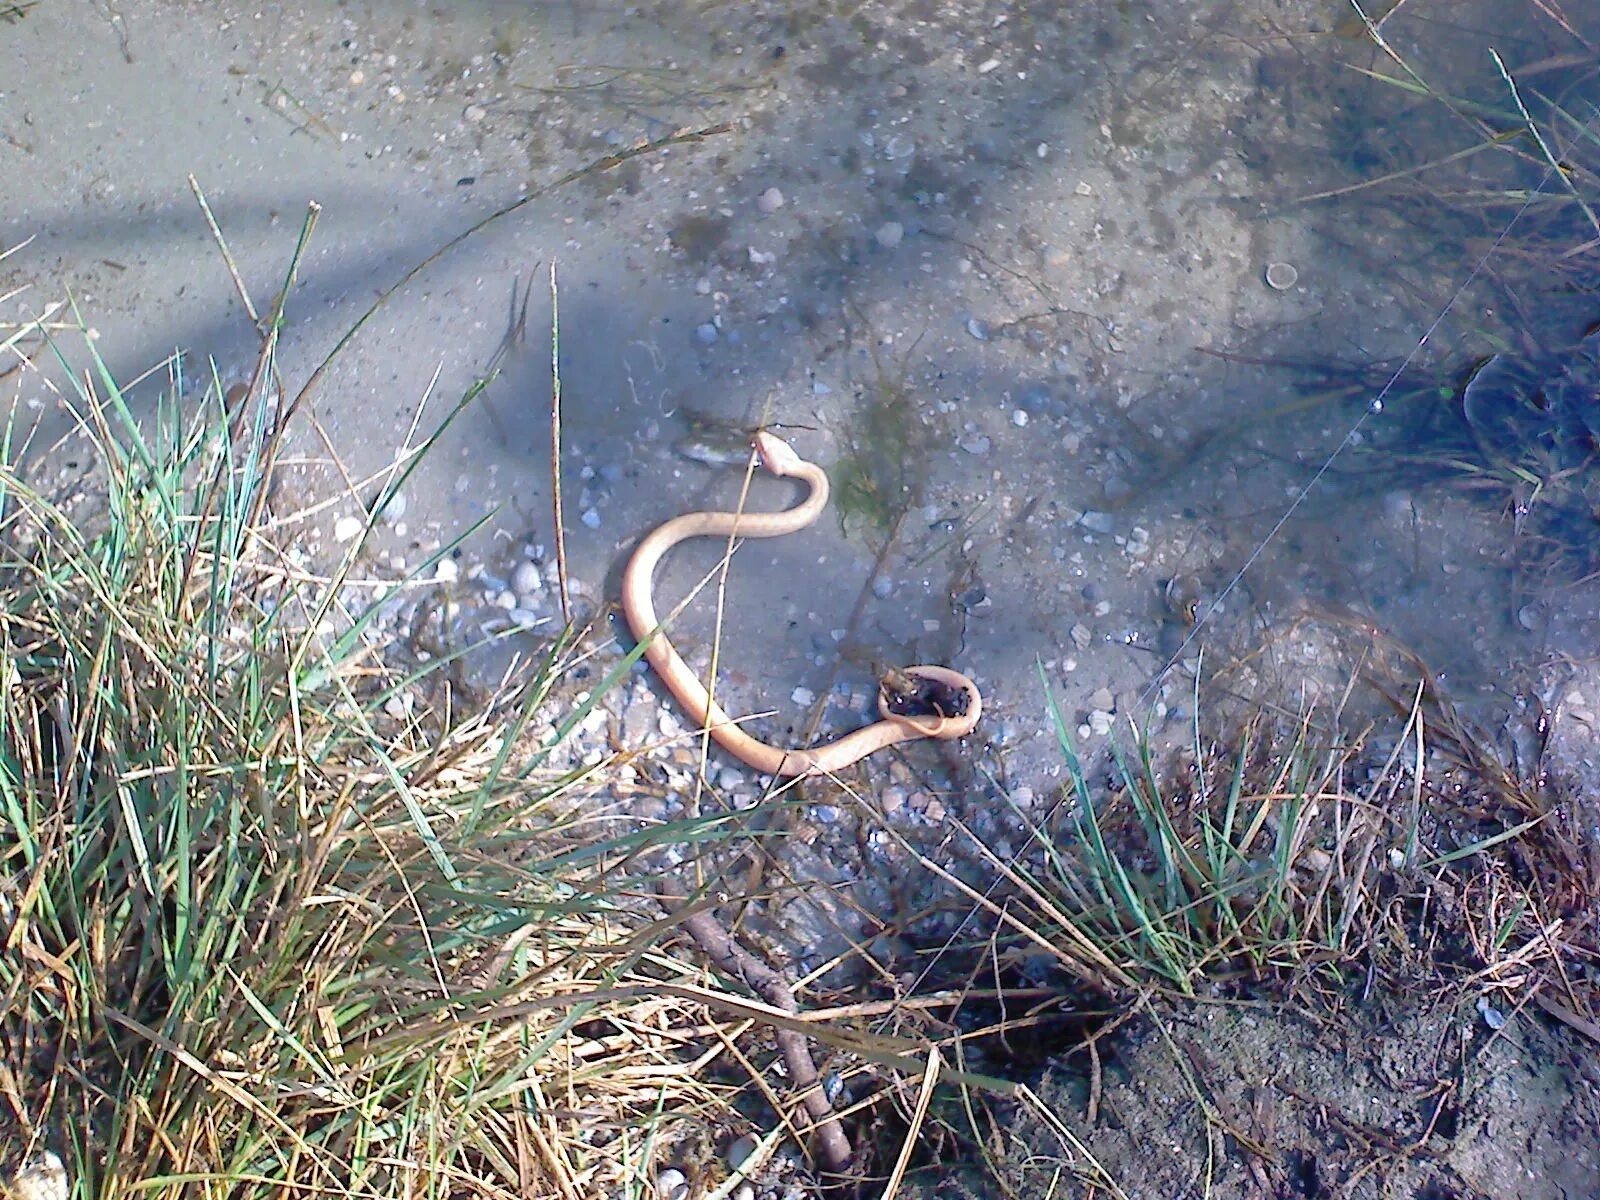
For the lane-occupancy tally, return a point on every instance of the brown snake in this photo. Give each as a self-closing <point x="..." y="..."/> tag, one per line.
<point x="778" y="458"/>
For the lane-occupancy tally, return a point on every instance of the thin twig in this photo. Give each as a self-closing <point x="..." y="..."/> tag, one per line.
<point x="555" y="447"/>
<point x="833" y="1147"/>
<point x="222" y="245"/>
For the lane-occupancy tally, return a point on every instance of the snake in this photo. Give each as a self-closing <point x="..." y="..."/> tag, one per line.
<point x="954" y="700"/>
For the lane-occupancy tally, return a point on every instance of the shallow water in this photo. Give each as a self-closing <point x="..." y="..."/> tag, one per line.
<point x="1004" y="271"/>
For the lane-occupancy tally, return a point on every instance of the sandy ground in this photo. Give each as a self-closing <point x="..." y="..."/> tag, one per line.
<point x="972" y="254"/>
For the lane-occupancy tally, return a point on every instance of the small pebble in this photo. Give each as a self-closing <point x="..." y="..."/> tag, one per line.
<point x="1097" y="522"/>
<point x="974" y="443"/>
<point x="883" y="587"/>
<point x="1492" y="1017"/>
<point x="705" y="334"/>
<point x="672" y="1184"/>
<point x="393" y="510"/>
<point x="526" y="579"/>
<point x="741" y="1149"/>
<point x="474" y="113"/>
<point x="803" y="696"/>
<point x="1019" y="418"/>
<point x="591" y="518"/>
<point x="1281" y="276"/>
<point x="1102" y="698"/>
<point x="347" y="529"/>
<point x="770" y="201"/>
<point x="702" y="286"/>
<point x="978" y="329"/>
<point x="446" y="571"/>
<point x="43" y="1177"/>
<point x="890" y="234"/>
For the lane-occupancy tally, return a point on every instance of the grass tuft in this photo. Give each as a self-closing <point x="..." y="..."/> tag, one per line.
<point x="261" y="935"/>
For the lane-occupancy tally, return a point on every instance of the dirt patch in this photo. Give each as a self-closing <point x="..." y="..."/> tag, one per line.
<point x="1396" y="1096"/>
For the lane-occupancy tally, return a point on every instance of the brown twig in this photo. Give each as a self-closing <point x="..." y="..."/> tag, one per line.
<point x="832" y="1145"/>
<point x="555" y="447"/>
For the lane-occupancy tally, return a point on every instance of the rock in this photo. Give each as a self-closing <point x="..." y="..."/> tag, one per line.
<point x="1102" y="698"/>
<point x="347" y="529"/>
<point x="42" y="1177"/>
<point x="978" y="329"/>
<point x="705" y="334"/>
<point x="474" y="113"/>
<point x="741" y="1150"/>
<point x="770" y="201"/>
<point x="446" y="570"/>
<point x="393" y="510"/>
<point x="803" y="696"/>
<point x="974" y="443"/>
<point x="672" y="1184"/>
<point x="527" y="580"/>
<point x="890" y="234"/>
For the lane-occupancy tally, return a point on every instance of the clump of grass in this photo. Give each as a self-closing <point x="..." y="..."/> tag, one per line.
<point x="1296" y="856"/>
<point x="260" y="935"/>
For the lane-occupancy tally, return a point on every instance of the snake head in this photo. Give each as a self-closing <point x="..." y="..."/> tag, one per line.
<point x="777" y="456"/>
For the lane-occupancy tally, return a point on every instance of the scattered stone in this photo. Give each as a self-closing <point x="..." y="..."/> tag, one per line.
<point x="1102" y="698"/>
<point x="591" y="518"/>
<point x="672" y="1184"/>
<point x="890" y="234"/>
<point x="705" y="334"/>
<point x="446" y="571"/>
<point x="347" y="529"/>
<point x="1100" y="722"/>
<point x="883" y="587"/>
<point x="474" y="113"/>
<point x="1019" y="418"/>
<point x="1082" y="636"/>
<point x="770" y="201"/>
<point x="741" y="1150"/>
<point x="393" y="510"/>
<point x="974" y="443"/>
<point x="978" y="329"/>
<point x="702" y="286"/>
<point x="1281" y="276"/>
<point x="803" y="696"/>
<point x="1097" y="522"/>
<point x="526" y="580"/>
<point x="43" y="1177"/>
